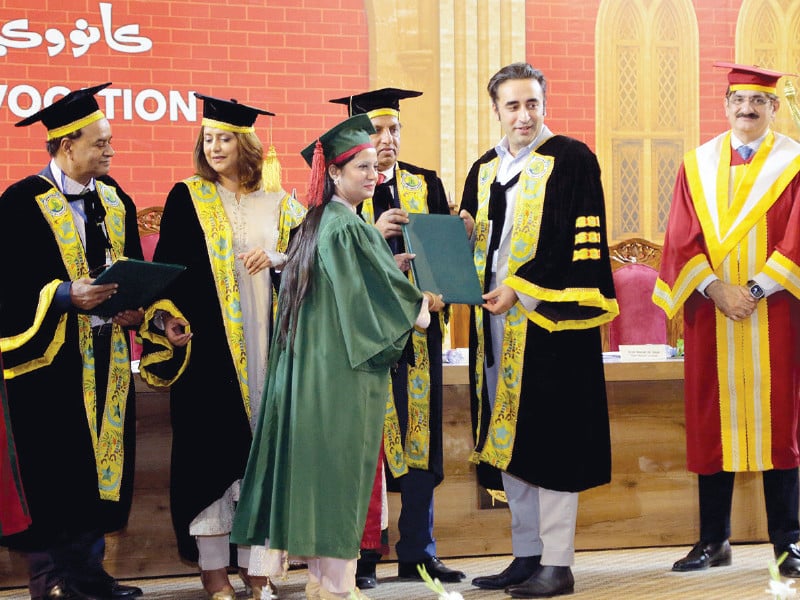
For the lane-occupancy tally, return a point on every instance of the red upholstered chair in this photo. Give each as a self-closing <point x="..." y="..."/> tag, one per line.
<point x="635" y="265"/>
<point x="149" y="220"/>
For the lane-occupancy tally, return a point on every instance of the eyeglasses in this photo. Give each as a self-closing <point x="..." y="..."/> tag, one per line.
<point x="758" y="100"/>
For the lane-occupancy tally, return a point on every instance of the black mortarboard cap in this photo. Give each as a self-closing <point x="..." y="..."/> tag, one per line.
<point x="230" y="115"/>
<point x="385" y="101"/>
<point x="66" y="115"/>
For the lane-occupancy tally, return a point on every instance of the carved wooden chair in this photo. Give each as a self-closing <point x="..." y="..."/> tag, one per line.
<point x="149" y="220"/>
<point x="635" y="264"/>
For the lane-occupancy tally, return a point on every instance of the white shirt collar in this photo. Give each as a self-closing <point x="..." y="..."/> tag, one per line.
<point x="755" y="144"/>
<point x="66" y="184"/>
<point x="388" y="174"/>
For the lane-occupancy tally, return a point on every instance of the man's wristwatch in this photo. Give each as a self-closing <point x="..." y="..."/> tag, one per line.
<point x="756" y="291"/>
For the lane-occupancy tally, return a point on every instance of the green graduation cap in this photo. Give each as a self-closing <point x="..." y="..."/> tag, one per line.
<point x="66" y="115"/>
<point x="333" y="147"/>
<point x="342" y="140"/>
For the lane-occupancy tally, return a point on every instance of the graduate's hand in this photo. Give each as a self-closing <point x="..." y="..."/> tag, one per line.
<point x="734" y="301"/>
<point x="435" y="301"/>
<point x="500" y="299"/>
<point x="255" y="260"/>
<point x="403" y="260"/>
<point x="129" y="318"/>
<point x="424" y="316"/>
<point x="391" y="221"/>
<point x="469" y="222"/>
<point x="175" y="328"/>
<point x="86" y="296"/>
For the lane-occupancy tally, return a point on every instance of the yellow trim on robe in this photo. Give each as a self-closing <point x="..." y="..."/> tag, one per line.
<point x="219" y="242"/>
<point x="670" y="299"/>
<point x="708" y="175"/>
<point x="783" y="271"/>
<point x="528" y="208"/>
<point x="13" y="342"/>
<point x="107" y="439"/>
<point x="414" y="451"/>
<point x="165" y="355"/>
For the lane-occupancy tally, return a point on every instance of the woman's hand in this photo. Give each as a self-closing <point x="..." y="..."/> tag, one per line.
<point x="255" y="260"/>
<point x="391" y="222"/>
<point x="469" y="222"/>
<point x="403" y="260"/>
<point x="435" y="301"/>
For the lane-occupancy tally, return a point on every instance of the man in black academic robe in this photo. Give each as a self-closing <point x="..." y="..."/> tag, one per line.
<point x="70" y="388"/>
<point x="534" y="207"/>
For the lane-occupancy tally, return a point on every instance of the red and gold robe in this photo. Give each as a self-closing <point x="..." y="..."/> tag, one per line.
<point x="14" y="516"/>
<point x="734" y="221"/>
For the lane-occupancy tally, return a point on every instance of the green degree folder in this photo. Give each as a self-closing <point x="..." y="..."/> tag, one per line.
<point x="443" y="264"/>
<point x="140" y="282"/>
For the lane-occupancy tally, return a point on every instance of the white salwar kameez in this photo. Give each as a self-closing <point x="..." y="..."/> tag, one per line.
<point x="254" y="219"/>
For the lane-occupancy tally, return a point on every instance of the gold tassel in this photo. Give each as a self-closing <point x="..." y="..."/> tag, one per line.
<point x="791" y="99"/>
<point x="271" y="171"/>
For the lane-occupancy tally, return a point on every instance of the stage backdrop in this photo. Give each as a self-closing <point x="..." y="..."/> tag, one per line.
<point x="288" y="57"/>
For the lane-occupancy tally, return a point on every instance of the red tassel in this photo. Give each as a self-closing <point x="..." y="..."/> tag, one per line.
<point x="316" y="183"/>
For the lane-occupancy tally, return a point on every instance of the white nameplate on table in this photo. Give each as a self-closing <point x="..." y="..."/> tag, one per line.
<point x="644" y="352"/>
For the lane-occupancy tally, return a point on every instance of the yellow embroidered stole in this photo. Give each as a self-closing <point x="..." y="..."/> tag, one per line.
<point x="108" y="441"/>
<point x="499" y="444"/>
<point x="415" y="452"/>
<point x="219" y="243"/>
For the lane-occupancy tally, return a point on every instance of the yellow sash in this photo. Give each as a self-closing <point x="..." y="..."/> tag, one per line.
<point x="219" y="243"/>
<point x="415" y="452"/>
<point x="499" y="442"/>
<point x="108" y="442"/>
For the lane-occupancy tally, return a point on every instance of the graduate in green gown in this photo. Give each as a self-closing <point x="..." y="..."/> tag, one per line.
<point x="345" y="312"/>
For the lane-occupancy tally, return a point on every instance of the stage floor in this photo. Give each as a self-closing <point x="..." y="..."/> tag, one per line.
<point x="599" y="575"/>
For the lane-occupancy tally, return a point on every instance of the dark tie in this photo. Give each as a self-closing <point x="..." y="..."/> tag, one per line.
<point x="96" y="240"/>
<point x="745" y="151"/>
<point x="382" y="201"/>
<point x="497" y="215"/>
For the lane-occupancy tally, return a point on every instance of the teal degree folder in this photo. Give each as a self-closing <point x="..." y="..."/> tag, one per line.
<point x="443" y="263"/>
<point x="140" y="283"/>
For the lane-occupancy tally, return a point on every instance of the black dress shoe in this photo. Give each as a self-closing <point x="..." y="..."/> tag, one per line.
<point x="108" y="590"/>
<point x="366" y="579"/>
<point x="790" y="567"/>
<point x="548" y="581"/>
<point x="704" y="555"/>
<point x="434" y="567"/>
<point x="520" y="569"/>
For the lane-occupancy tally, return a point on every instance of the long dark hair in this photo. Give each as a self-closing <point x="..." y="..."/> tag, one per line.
<point x="296" y="279"/>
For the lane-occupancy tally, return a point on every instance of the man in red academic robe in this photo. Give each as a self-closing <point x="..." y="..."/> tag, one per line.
<point x="732" y="259"/>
